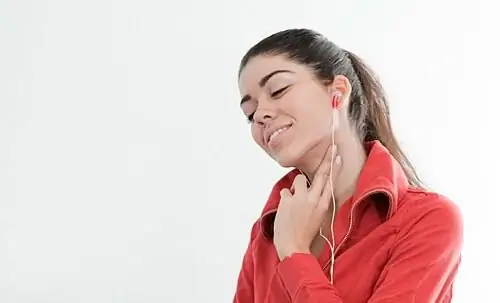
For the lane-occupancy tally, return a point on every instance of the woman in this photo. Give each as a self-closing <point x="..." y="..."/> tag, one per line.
<point x="393" y="240"/>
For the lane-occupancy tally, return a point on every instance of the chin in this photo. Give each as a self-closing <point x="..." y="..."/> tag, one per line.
<point x="301" y="154"/>
<point x="289" y="157"/>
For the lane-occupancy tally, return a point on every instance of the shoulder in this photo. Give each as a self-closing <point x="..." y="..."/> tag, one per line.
<point x="420" y="204"/>
<point x="430" y="215"/>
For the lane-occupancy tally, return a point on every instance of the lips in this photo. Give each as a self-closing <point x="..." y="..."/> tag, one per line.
<point x="274" y="133"/>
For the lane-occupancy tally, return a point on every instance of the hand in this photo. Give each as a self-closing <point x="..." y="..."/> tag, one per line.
<point x="301" y="214"/>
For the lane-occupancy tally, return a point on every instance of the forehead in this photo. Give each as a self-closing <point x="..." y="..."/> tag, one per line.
<point x="260" y="66"/>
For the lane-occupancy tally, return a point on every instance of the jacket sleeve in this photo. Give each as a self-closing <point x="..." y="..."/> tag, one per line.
<point x="245" y="288"/>
<point x="420" y="269"/>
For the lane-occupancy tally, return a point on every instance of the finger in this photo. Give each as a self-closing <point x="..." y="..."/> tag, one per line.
<point x="300" y="185"/>
<point x="285" y="193"/>
<point x="323" y="172"/>
<point x="335" y="169"/>
<point x="325" y="199"/>
<point x="327" y="193"/>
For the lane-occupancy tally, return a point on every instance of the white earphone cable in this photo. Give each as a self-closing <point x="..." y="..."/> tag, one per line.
<point x="334" y="160"/>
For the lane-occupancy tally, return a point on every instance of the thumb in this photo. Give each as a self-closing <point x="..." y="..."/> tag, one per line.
<point x="285" y="193"/>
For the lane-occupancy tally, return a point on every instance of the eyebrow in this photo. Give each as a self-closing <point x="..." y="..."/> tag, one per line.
<point x="263" y="82"/>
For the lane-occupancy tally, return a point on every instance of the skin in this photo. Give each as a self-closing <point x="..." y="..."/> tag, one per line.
<point x="295" y="98"/>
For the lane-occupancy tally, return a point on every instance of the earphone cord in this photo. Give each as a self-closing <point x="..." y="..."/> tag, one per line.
<point x="332" y="243"/>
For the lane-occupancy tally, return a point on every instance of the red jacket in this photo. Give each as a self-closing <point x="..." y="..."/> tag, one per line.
<point x="394" y="243"/>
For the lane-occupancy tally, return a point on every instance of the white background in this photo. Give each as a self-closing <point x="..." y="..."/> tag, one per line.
<point x="127" y="172"/>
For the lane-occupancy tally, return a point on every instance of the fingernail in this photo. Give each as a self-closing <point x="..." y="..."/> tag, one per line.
<point x="337" y="159"/>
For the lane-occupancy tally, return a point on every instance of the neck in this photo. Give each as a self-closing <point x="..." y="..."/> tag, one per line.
<point x="353" y="156"/>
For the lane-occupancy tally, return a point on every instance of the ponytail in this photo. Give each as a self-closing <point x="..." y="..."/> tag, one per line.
<point x="369" y="105"/>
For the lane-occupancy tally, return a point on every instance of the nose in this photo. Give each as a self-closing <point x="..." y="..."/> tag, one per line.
<point x="264" y="115"/>
<point x="266" y="111"/>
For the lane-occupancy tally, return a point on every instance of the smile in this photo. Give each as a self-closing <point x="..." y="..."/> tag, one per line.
<point x="275" y="134"/>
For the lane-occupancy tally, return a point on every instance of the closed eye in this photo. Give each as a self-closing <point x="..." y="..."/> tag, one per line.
<point x="274" y="95"/>
<point x="279" y="92"/>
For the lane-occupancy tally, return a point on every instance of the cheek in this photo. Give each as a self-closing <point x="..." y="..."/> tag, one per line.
<point x="257" y="135"/>
<point x="311" y="108"/>
<point x="313" y="114"/>
<point x="307" y="101"/>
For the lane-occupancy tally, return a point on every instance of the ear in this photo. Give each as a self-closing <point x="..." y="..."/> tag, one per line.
<point x="343" y="86"/>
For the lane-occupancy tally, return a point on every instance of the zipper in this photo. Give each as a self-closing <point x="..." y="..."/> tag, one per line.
<point x="351" y="220"/>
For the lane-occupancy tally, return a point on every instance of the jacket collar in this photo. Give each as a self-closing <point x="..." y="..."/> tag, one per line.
<point x="381" y="173"/>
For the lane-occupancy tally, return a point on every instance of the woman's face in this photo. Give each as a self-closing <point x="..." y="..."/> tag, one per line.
<point x="288" y="107"/>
